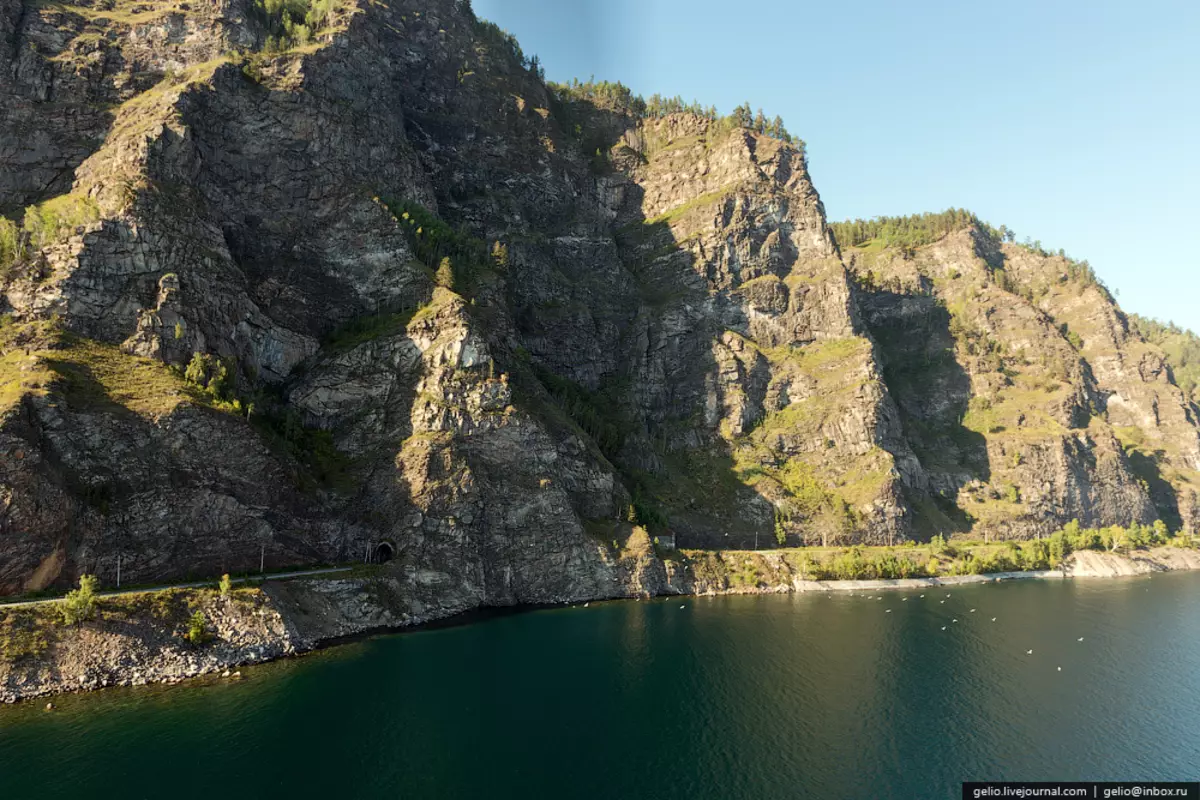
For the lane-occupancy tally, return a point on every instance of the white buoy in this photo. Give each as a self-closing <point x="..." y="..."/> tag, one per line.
<point x="943" y="627"/>
<point x="993" y="619"/>
<point x="681" y="606"/>
<point x="1060" y="669"/>
<point x="1028" y="652"/>
<point x="888" y="611"/>
<point x="972" y="611"/>
<point x="1081" y="638"/>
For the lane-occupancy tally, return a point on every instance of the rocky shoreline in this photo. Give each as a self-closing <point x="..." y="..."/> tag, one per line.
<point x="138" y="639"/>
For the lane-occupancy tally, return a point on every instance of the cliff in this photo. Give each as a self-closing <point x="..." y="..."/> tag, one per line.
<point x="357" y="284"/>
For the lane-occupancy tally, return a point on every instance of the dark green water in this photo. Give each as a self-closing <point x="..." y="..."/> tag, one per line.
<point x="740" y="697"/>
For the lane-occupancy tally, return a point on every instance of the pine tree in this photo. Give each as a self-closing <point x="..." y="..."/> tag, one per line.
<point x="445" y="274"/>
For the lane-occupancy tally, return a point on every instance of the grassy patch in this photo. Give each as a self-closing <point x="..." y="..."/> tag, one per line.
<point x="92" y="375"/>
<point x="124" y="12"/>
<point x="97" y="376"/>
<point x="26" y="633"/>
<point x="697" y="202"/>
<point x="817" y="359"/>
<point x="44" y="224"/>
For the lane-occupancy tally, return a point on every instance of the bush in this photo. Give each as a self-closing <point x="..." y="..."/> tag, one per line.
<point x="198" y="632"/>
<point x="291" y="23"/>
<point x="80" y="604"/>
<point x="44" y="224"/>
<point x="1035" y="555"/>
<point x="55" y="218"/>
<point x="212" y="374"/>
<point x="10" y="243"/>
<point x="226" y="585"/>
<point x="445" y="274"/>
<point x="780" y="528"/>
<point x="1074" y="537"/>
<point x="938" y="546"/>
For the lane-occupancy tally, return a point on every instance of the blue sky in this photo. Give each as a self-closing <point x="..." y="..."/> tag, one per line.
<point x="1076" y="123"/>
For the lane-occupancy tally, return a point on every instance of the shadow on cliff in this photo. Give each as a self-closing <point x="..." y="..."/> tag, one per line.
<point x="117" y="493"/>
<point x="1146" y="467"/>
<point x="932" y="391"/>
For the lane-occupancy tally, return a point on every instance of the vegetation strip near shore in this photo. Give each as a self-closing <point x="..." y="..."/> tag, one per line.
<point x="89" y="641"/>
<point x="940" y="559"/>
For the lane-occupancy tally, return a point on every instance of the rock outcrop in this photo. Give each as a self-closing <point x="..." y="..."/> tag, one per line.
<point x="1027" y="397"/>
<point x="374" y="291"/>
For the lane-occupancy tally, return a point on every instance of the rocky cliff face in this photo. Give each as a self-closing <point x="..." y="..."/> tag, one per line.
<point x="1027" y="397"/>
<point x="641" y="319"/>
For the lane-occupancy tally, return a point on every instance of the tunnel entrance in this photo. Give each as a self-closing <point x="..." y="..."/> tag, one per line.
<point x="384" y="552"/>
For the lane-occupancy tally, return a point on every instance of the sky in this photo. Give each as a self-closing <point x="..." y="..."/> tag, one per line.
<point x="1076" y="123"/>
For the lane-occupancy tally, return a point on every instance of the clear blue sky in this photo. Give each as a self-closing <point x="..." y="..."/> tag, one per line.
<point x="1076" y="122"/>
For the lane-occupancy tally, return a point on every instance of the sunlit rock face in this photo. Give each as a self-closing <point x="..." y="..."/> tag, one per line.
<point x="382" y="291"/>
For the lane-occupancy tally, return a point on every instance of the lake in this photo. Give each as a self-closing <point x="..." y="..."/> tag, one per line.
<point x="816" y="695"/>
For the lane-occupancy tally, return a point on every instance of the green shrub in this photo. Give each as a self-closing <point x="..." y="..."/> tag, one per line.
<point x="1035" y="555"/>
<point x="44" y="224"/>
<point x="80" y="604"/>
<point x="445" y="274"/>
<point x="226" y="585"/>
<point x="938" y="546"/>
<point x="10" y="244"/>
<point x="55" y="218"/>
<point x="198" y="632"/>
<point x="291" y="23"/>
<point x="1059" y="548"/>
<point x="212" y="374"/>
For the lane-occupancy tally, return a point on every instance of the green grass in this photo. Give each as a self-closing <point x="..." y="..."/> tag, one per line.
<point x="695" y="203"/>
<point x="44" y="224"/>
<point x="1003" y="413"/>
<point x="26" y="633"/>
<point x="97" y="376"/>
<point x="819" y="358"/>
<point x="123" y="12"/>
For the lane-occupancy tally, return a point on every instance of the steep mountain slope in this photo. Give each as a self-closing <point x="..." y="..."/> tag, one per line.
<point x="359" y="284"/>
<point x="1023" y="390"/>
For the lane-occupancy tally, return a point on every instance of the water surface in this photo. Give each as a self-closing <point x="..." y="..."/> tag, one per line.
<point x="814" y="695"/>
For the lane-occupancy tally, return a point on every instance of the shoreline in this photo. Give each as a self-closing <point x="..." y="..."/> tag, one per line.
<point x="912" y="583"/>
<point x="290" y="618"/>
